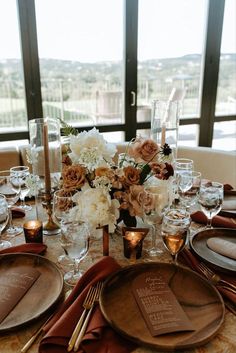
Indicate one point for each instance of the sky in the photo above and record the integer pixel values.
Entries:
(91, 30)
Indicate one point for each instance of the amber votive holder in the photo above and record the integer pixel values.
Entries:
(33, 231)
(133, 242)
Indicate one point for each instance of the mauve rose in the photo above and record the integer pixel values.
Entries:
(73, 177)
(135, 200)
(145, 150)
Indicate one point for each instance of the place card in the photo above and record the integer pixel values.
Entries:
(14, 283)
(158, 305)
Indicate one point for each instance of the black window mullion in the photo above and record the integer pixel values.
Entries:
(211, 70)
(29, 48)
(130, 67)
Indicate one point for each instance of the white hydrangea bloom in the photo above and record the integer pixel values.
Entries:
(90, 149)
(96, 207)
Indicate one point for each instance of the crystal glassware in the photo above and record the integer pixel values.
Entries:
(188, 188)
(10, 188)
(210, 199)
(175, 230)
(75, 242)
(62, 204)
(4, 216)
(22, 172)
(155, 200)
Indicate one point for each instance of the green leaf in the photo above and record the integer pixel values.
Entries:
(67, 129)
(144, 173)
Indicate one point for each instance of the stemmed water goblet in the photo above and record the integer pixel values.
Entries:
(22, 172)
(175, 230)
(62, 204)
(155, 201)
(188, 188)
(210, 199)
(10, 188)
(75, 241)
(4, 216)
(183, 167)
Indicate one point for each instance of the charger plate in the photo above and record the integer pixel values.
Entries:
(198, 244)
(44, 293)
(199, 299)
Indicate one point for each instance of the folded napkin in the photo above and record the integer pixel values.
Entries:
(99, 337)
(187, 257)
(34, 248)
(217, 221)
(17, 212)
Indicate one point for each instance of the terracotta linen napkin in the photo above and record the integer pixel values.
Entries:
(99, 337)
(217, 221)
(187, 257)
(34, 248)
(17, 212)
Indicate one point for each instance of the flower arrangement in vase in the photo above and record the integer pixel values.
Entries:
(106, 192)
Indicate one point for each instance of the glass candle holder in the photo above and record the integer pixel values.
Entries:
(133, 242)
(33, 231)
(39, 130)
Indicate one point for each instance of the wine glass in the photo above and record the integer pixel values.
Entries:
(10, 188)
(188, 188)
(155, 200)
(75, 242)
(211, 199)
(175, 230)
(4, 216)
(22, 172)
(62, 204)
(182, 166)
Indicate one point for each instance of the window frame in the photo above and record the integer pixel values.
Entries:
(210, 72)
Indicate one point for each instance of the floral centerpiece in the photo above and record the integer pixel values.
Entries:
(106, 193)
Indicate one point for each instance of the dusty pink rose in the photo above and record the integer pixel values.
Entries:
(143, 150)
(135, 200)
(131, 176)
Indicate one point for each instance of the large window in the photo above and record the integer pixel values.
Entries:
(81, 52)
(12, 95)
(102, 62)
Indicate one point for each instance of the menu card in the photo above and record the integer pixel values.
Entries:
(14, 283)
(159, 306)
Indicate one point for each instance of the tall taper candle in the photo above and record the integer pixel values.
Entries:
(47, 177)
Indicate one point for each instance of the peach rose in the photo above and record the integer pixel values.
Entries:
(131, 176)
(144, 150)
(73, 177)
(135, 200)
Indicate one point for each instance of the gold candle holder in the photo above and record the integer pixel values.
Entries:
(49, 226)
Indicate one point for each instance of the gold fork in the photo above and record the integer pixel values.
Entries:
(90, 297)
(214, 278)
(82, 331)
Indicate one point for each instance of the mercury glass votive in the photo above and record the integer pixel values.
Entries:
(33, 231)
(133, 242)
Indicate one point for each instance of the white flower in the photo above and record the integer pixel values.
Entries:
(102, 182)
(90, 149)
(95, 206)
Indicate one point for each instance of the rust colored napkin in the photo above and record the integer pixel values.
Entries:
(187, 257)
(34, 248)
(99, 337)
(17, 212)
(217, 221)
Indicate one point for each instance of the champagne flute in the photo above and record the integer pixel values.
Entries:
(75, 241)
(211, 199)
(4, 216)
(175, 230)
(10, 188)
(155, 201)
(22, 172)
(62, 204)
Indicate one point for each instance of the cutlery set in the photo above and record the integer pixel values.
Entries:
(90, 301)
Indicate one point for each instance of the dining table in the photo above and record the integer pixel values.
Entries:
(12, 342)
